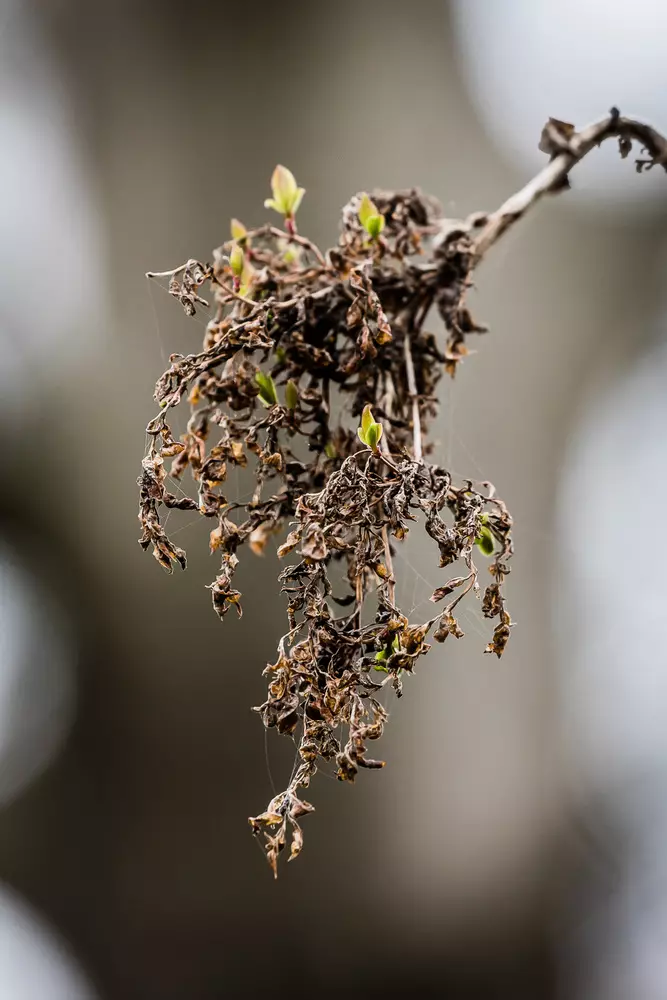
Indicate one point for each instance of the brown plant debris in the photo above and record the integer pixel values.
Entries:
(293, 330)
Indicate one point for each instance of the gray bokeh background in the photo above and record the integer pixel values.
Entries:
(484, 860)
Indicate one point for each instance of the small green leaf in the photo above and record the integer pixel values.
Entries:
(286, 195)
(373, 436)
(247, 278)
(374, 226)
(291, 395)
(238, 230)
(267, 389)
(372, 220)
(383, 655)
(291, 252)
(329, 450)
(366, 210)
(369, 432)
(298, 198)
(236, 260)
(484, 541)
(366, 421)
(283, 183)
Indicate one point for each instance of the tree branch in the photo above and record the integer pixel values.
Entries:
(568, 148)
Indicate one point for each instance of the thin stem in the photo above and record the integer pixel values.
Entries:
(290, 303)
(568, 150)
(414, 396)
(169, 274)
(391, 583)
(302, 240)
(292, 237)
(241, 298)
(385, 457)
(358, 593)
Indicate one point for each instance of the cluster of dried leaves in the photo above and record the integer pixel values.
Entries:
(297, 335)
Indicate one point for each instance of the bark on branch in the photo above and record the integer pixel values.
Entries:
(567, 148)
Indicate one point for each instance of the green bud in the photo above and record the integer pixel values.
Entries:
(291, 395)
(372, 221)
(380, 659)
(369, 432)
(484, 541)
(329, 450)
(366, 209)
(267, 389)
(236, 260)
(291, 252)
(286, 195)
(373, 436)
(382, 656)
(374, 226)
(366, 421)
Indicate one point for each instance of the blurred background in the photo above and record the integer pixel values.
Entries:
(513, 847)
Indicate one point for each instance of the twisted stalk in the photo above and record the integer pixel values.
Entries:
(567, 149)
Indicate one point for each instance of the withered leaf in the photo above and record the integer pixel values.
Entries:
(314, 545)
(290, 543)
(492, 602)
(448, 588)
(259, 537)
(448, 625)
(553, 131)
(298, 807)
(501, 634)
